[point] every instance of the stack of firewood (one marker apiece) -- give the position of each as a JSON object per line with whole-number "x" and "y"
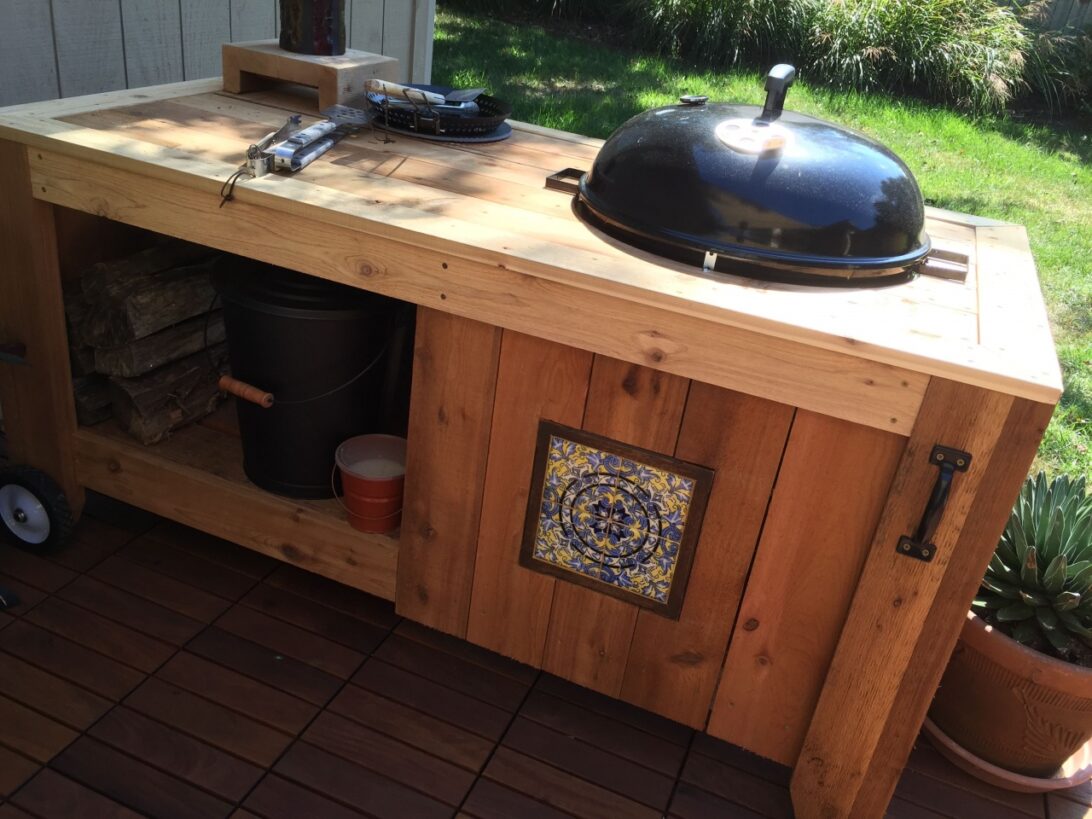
{"x": 147, "y": 347}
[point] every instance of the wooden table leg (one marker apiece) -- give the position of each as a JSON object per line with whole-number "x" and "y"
{"x": 907, "y": 613}
{"x": 39, "y": 414}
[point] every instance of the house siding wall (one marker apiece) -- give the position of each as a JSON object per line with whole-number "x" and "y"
{"x": 64, "y": 48}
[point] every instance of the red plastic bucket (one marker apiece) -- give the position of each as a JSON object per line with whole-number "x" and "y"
{"x": 373, "y": 471}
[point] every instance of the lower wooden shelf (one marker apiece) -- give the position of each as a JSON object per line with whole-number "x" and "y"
{"x": 196, "y": 478}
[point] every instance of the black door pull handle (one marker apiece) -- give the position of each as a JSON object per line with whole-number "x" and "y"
{"x": 949, "y": 461}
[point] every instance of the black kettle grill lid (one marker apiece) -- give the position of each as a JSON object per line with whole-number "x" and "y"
{"x": 761, "y": 191}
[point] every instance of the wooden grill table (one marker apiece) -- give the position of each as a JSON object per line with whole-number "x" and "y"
{"x": 804, "y": 635}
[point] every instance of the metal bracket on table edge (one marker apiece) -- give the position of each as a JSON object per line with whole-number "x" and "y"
{"x": 13, "y": 352}
{"x": 566, "y": 181}
{"x": 949, "y": 461}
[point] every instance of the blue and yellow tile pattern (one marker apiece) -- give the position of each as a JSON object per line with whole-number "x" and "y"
{"x": 611, "y": 519}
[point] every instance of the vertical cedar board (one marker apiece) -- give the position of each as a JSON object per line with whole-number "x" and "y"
{"x": 829, "y": 495}
{"x": 673, "y": 666}
{"x": 590, "y": 633}
{"x": 205, "y": 25}
{"x": 451, "y": 408}
{"x": 366, "y": 26}
{"x": 253, "y": 20}
{"x": 1018, "y": 444}
{"x": 510, "y": 605}
{"x": 39, "y": 414}
{"x": 887, "y": 619}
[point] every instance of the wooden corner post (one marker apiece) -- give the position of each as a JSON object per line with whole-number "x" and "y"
{"x": 36, "y": 396}
{"x": 907, "y": 612}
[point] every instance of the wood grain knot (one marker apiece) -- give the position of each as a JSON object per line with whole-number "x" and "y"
{"x": 365, "y": 270}
{"x": 763, "y": 660}
{"x": 291, "y": 552}
{"x": 630, "y": 383}
{"x": 750, "y": 625}
{"x": 688, "y": 658}
{"x": 422, "y": 593}
{"x": 113, "y": 465}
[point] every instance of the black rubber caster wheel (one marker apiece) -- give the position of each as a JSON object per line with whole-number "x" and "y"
{"x": 34, "y": 512}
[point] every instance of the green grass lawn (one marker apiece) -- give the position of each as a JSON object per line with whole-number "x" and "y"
{"x": 1036, "y": 176}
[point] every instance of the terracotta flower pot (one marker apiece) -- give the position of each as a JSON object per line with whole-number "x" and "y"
{"x": 1011, "y": 705}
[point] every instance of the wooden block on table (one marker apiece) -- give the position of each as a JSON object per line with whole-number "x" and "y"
{"x": 339, "y": 79}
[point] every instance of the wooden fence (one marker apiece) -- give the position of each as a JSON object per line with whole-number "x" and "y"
{"x": 65, "y": 48}
{"x": 1076, "y": 13}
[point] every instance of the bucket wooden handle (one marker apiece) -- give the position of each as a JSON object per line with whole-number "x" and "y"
{"x": 247, "y": 392}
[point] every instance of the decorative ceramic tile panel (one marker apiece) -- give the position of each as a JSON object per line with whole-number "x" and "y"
{"x": 619, "y": 519}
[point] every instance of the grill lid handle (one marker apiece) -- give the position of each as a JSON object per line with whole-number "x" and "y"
{"x": 779, "y": 79}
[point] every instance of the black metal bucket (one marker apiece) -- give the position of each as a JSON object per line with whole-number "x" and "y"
{"x": 332, "y": 357}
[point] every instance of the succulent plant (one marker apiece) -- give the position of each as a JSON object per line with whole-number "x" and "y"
{"x": 1038, "y": 587}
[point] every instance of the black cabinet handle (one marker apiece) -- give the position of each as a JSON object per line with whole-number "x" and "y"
{"x": 949, "y": 461}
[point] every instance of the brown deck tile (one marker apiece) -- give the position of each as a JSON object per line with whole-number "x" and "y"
{"x": 180, "y": 755}
{"x": 600, "y": 767}
{"x": 122, "y": 607}
{"x": 68, "y": 660}
{"x": 901, "y": 809}
{"x": 49, "y": 694}
{"x": 213, "y": 549}
{"x": 737, "y": 786}
{"x": 1062, "y": 807}
{"x": 335, "y": 595}
{"x": 265, "y": 664}
{"x": 51, "y": 795}
{"x": 617, "y": 737}
{"x": 15, "y": 769}
{"x": 945, "y": 798}
{"x": 112, "y": 639}
{"x": 135, "y": 784}
{"x": 361, "y": 635}
{"x": 562, "y": 790}
{"x": 454, "y": 672}
{"x": 291, "y": 641}
{"x": 615, "y": 709}
{"x": 524, "y": 674}
{"x": 161, "y": 589}
{"x": 29, "y": 596}
{"x": 927, "y": 761}
{"x": 216, "y": 725}
{"x": 691, "y": 802}
{"x": 33, "y": 570}
{"x": 9, "y": 811}
{"x": 489, "y": 800}
{"x": 278, "y": 798}
{"x": 412, "y": 727}
{"x": 238, "y": 692}
{"x": 353, "y": 785}
{"x": 187, "y": 568}
{"x": 743, "y": 760}
{"x": 92, "y": 542}
{"x": 31, "y": 733}
{"x": 390, "y": 758}
{"x": 432, "y": 698}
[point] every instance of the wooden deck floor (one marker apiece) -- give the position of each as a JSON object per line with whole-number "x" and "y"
{"x": 153, "y": 670}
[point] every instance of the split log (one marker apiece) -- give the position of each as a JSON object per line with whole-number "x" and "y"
{"x": 108, "y": 279}
{"x": 93, "y": 400}
{"x": 142, "y": 356}
{"x": 81, "y": 355}
{"x": 151, "y": 406}
{"x": 82, "y": 359}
